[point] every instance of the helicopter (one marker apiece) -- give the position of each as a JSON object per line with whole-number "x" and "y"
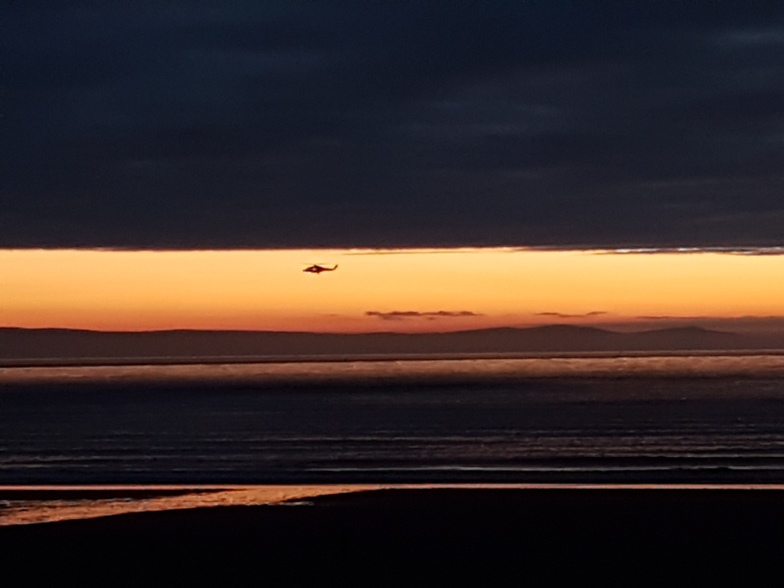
{"x": 317, "y": 269}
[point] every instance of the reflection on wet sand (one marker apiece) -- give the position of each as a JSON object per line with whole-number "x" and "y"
{"x": 36, "y": 504}
{"x": 23, "y": 505}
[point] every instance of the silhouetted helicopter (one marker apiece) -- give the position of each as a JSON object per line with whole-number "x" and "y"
{"x": 317, "y": 269}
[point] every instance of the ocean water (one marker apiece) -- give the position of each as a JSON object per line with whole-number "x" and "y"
{"x": 705, "y": 419}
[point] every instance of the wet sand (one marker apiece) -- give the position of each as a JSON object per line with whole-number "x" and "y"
{"x": 382, "y": 536}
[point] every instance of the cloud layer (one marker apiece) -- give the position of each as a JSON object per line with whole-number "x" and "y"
{"x": 262, "y": 124}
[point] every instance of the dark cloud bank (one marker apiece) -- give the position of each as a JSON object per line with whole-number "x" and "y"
{"x": 379, "y": 124}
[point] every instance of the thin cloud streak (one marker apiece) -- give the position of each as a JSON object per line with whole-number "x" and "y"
{"x": 565, "y": 315}
{"x": 751, "y": 251}
{"x": 397, "y": 315}
{"x": 430, "y": 251}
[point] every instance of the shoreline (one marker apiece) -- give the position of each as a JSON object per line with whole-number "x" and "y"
{"x": 54, "y": 504}
{"x": 402, "y": 534}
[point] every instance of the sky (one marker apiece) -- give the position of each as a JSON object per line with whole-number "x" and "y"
{"x": 404, "y": 290}
{"x": 302, "y": 132}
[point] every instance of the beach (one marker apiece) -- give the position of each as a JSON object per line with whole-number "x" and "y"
{"x": 438, "y": 534}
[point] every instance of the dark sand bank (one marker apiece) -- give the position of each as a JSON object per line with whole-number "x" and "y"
{"x": 444, "y": 534}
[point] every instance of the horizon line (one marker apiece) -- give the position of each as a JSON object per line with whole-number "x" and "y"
{"x": 375, "y": 332}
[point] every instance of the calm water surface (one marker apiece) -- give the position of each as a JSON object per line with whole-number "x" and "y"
{"x": 695, "y": 419}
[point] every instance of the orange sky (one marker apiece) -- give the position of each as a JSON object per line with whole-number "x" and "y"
{"x": 140, "y": 290}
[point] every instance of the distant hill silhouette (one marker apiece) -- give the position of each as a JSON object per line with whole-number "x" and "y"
{"x": 70, "y": 344}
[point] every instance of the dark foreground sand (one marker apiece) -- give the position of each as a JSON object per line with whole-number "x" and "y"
{"x": 479, "y": 537}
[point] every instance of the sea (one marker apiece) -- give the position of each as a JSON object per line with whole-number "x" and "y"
{"x": 676, "y": 418}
